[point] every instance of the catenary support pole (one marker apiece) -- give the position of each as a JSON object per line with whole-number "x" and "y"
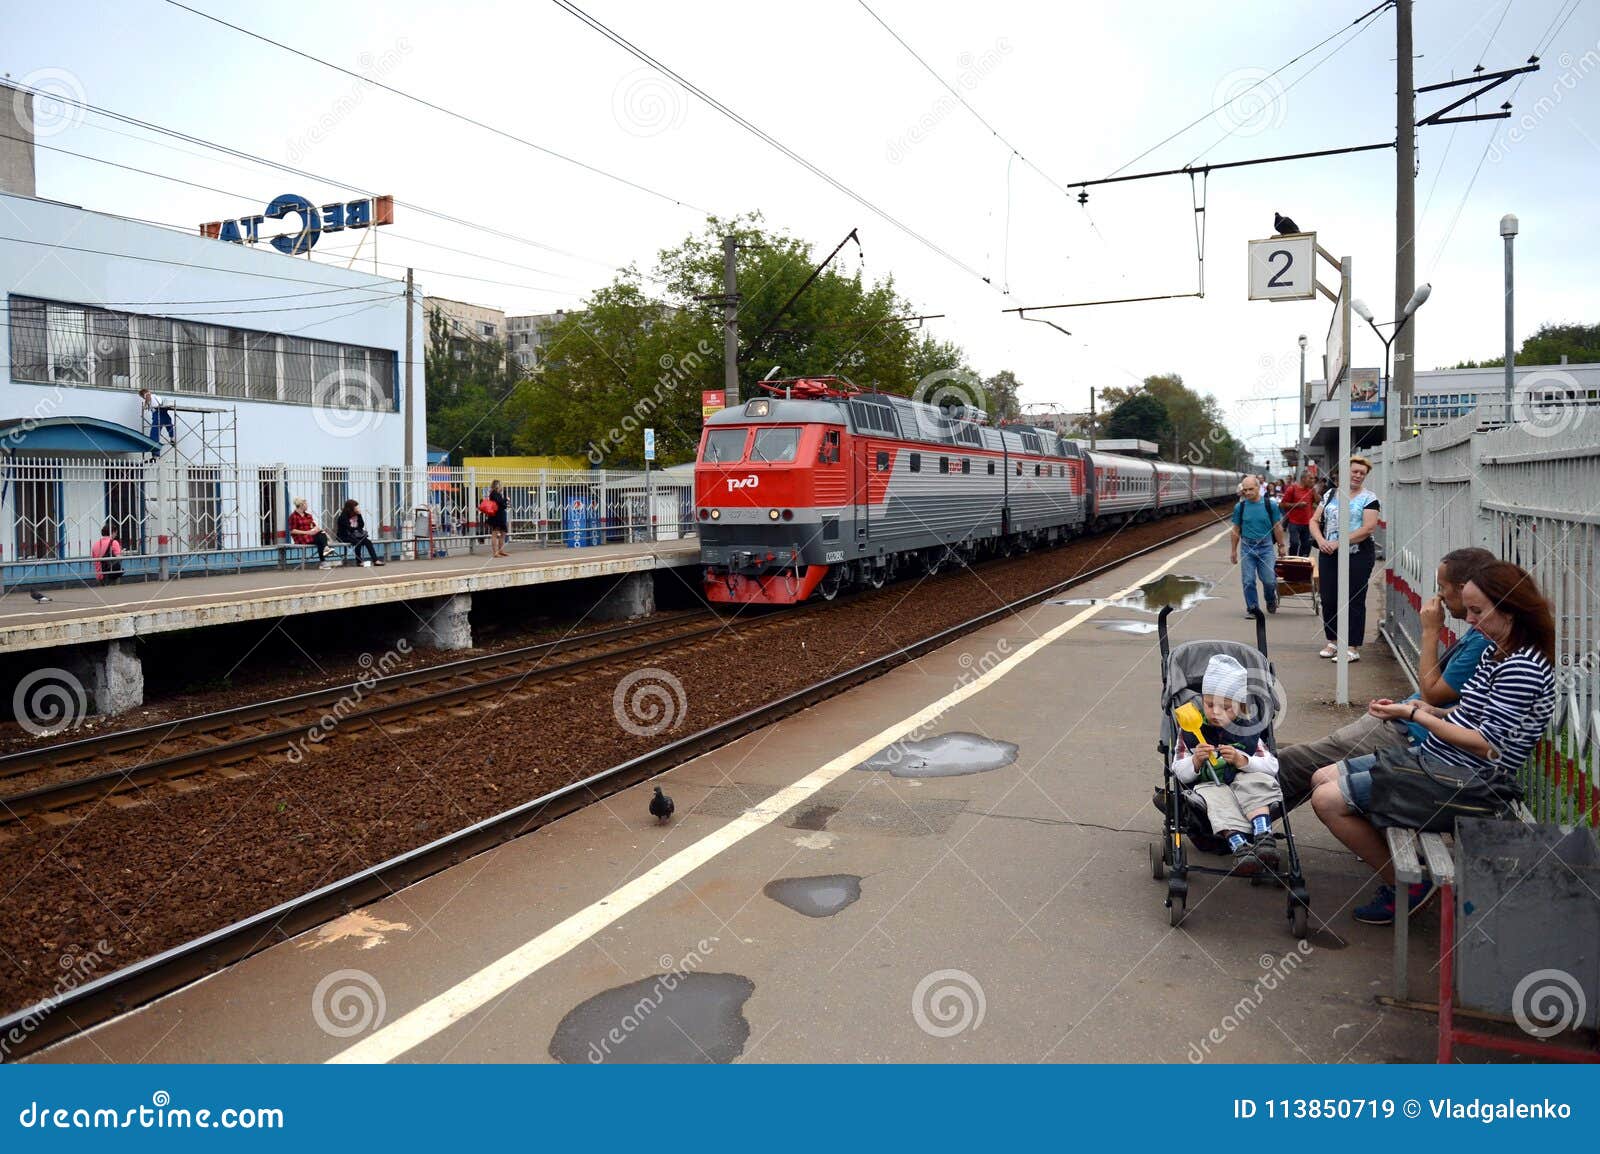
{"x": 730, "y": 320}
{"x": 1341, "y": 638}
{"x": 1405, "y": 206}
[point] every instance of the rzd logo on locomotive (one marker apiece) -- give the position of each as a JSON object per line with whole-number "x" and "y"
{"x": 749, "y": 482}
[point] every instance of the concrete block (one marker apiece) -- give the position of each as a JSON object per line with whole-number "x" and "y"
{"x": 633, "y": 596}
{"x": 111, "y": 674}
{"x": 445, "y": 622}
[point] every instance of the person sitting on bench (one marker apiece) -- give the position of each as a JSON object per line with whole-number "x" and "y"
{"x": 303, "y": 530}
{"x": 352, "y": 530}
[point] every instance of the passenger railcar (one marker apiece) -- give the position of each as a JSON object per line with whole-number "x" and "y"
{"x": 820, "y": 486}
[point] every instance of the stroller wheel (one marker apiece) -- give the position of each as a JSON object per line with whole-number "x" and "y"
{"x": 1299, "y": 914}
{"x": 1175, "y": 908}
{"x": 1158, "y": 864}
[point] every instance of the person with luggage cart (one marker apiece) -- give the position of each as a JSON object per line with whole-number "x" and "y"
{"x": 1299, "y": 504}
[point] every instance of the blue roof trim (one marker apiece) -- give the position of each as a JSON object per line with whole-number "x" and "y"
{"x": 72, "y": 435}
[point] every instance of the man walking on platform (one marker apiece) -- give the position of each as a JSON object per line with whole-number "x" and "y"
{"x": 1257, "y": 522}
{"x": 1299, "y": 504}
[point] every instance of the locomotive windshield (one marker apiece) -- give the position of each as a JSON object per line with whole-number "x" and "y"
{"x": 724, "y": 445}
{"x": 775, "y": 445}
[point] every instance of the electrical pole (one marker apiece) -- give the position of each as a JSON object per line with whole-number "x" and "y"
{"x": 1405, "y": 207}
{"x": 1508, "y": 230}
{"x": 410, "y": 356}
{"x": 1093, "y": 420}
{"x": 730, "y": 320}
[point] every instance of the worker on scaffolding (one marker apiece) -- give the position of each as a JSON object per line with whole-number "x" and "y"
{"x": 160, "y": 418}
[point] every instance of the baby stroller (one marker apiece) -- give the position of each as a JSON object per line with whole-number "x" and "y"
{"x": 1184, "y": 824}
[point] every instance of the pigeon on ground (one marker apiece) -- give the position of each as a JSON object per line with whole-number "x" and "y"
{"x": 1283, "y": 224}
{"x": 661, "y": 807}
{"x": 38, "y": 596}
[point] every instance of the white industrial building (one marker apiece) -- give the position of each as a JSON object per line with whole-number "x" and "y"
{"x": 284, "y": 378}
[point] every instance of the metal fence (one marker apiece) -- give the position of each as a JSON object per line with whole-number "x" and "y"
{"x": 174, "y": 517}
{"x": 1529, "y": 493}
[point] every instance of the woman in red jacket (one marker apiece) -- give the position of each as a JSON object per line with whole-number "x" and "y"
{"x": 303, "y": 531}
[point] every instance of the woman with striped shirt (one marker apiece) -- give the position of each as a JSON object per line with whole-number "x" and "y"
{"x": 1491, "y": 730}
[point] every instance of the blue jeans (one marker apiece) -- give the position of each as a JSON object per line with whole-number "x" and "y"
{"x": 1257, "y": 559}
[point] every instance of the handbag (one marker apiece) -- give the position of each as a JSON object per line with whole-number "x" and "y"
{"x": 1413, "y": 791}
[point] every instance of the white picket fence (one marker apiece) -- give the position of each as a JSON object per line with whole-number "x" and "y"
{"x": 1529, "y": 493}
{"x": 173, "y": 517}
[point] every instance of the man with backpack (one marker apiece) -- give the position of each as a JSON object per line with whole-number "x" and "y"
{"x": 1257, "y": 524}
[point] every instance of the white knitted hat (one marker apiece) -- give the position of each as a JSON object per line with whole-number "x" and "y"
{"x": 1225, "y": 678}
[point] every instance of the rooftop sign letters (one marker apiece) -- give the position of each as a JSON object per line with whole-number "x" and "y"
{"x": 314, "y": 220}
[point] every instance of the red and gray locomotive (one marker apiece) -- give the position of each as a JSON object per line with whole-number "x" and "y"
{"x": 821, "y": 486}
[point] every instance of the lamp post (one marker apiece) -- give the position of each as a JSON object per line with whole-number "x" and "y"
{"x": 1508, "y": 230}
{"x": 1305, "y": 403}
{"x": 1359, "y": 307}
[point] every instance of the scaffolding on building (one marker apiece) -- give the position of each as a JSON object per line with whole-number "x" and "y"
{"x": 196, "y": 481}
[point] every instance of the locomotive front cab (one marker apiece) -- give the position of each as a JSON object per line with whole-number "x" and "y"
{"x": 757, "y": 481}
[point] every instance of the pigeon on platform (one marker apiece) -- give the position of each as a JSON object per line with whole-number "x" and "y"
{"x": 661, "y": 807}
{"x": 1283, "y": 224}
{"x": 38, "y": 596}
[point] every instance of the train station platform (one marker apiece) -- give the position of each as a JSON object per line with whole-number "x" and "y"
{"x": 801, "y": 908}
{"x": 99, "y": 623}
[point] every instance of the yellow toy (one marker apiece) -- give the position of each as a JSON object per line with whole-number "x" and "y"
{"x": 1190, "y": 719}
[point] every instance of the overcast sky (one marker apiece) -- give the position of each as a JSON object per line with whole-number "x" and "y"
{"x": 1079, "y": 89}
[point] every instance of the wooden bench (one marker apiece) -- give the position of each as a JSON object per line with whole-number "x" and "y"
{"x": 1417, "y": 857}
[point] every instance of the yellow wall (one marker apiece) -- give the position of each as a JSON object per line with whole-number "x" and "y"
{"x": 577, "y": 463}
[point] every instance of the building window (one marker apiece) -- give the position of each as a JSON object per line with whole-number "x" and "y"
{"x": 38, "y": 515}
{"x": 205, "y": 509}
{"x": 124, "y": 484}
{"x": 230, "y": 362}
{"x": 69, "y": 346}
{"x": 263, "y": 367}
{"x": 335, "y": 488}
{"x": 154, "y": 337}
{"x": 111, "y": 369}
{"x": 298, "y": 371}
{"x": 30, "y": 359}
{"x": 268, "y": 503}
{"x": 194, "y": 373}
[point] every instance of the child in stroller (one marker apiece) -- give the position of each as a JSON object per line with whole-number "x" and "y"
{"x": 1232, "y": 774}
{"x": 1219, "y": 791}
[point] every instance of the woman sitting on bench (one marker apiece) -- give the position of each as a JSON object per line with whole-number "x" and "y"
{"x": 303, "y": 531}
{"x": 1503, "y": 710}
{"x": 352, "y": 530}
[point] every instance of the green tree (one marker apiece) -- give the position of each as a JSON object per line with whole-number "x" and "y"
{"x": 468, "y": 381}
{"x": 1196, "y": 429}
{"x": 1141, "y": 416}
{"x": 630, "y": 360}
{"x": 1580, "y": 344}
{"x": 1001, "y": 391}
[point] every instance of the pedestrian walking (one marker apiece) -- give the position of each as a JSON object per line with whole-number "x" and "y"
{"x": 1257, "y": 526}
{"x": 1299, "y": 503}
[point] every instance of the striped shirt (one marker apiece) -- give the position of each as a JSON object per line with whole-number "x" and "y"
{"x": 1509, "y": 701}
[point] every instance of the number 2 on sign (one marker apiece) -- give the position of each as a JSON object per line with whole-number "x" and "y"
{"x": 1288, "y": 262}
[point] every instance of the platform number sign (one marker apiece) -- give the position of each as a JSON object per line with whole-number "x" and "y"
{"x": 1284, "y": 268}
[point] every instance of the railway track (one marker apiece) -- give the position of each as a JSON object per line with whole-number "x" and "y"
{"x": 218, "y": 743}
{"x": 115, "y": 993}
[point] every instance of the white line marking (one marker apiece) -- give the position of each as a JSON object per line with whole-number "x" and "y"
{"x": 471, "y": 993}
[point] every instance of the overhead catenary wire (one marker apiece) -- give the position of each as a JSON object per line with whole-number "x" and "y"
{"x": 931, "y": 71}
{"x": 1215, "y": 108}
{"x": 461, "y": 116}
{"x": 767, "y": 138}
{"x": 178, "y": 134}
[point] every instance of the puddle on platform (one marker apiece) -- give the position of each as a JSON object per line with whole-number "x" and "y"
{"x": 359, "y": 928}
{"x": 814, "y": 817}
{"x": 947, "y": 755}
{"x": 819, "y": 897}
{"x": 1175, "y": 590}
{"x": 1127, "y": 626}
{"x": 677, "y": 1018}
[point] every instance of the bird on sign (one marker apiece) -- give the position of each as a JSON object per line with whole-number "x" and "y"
{"x": 661, "y": 807}
{"x": 38, "y": 596}
{"x": 1283, "y": 224}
